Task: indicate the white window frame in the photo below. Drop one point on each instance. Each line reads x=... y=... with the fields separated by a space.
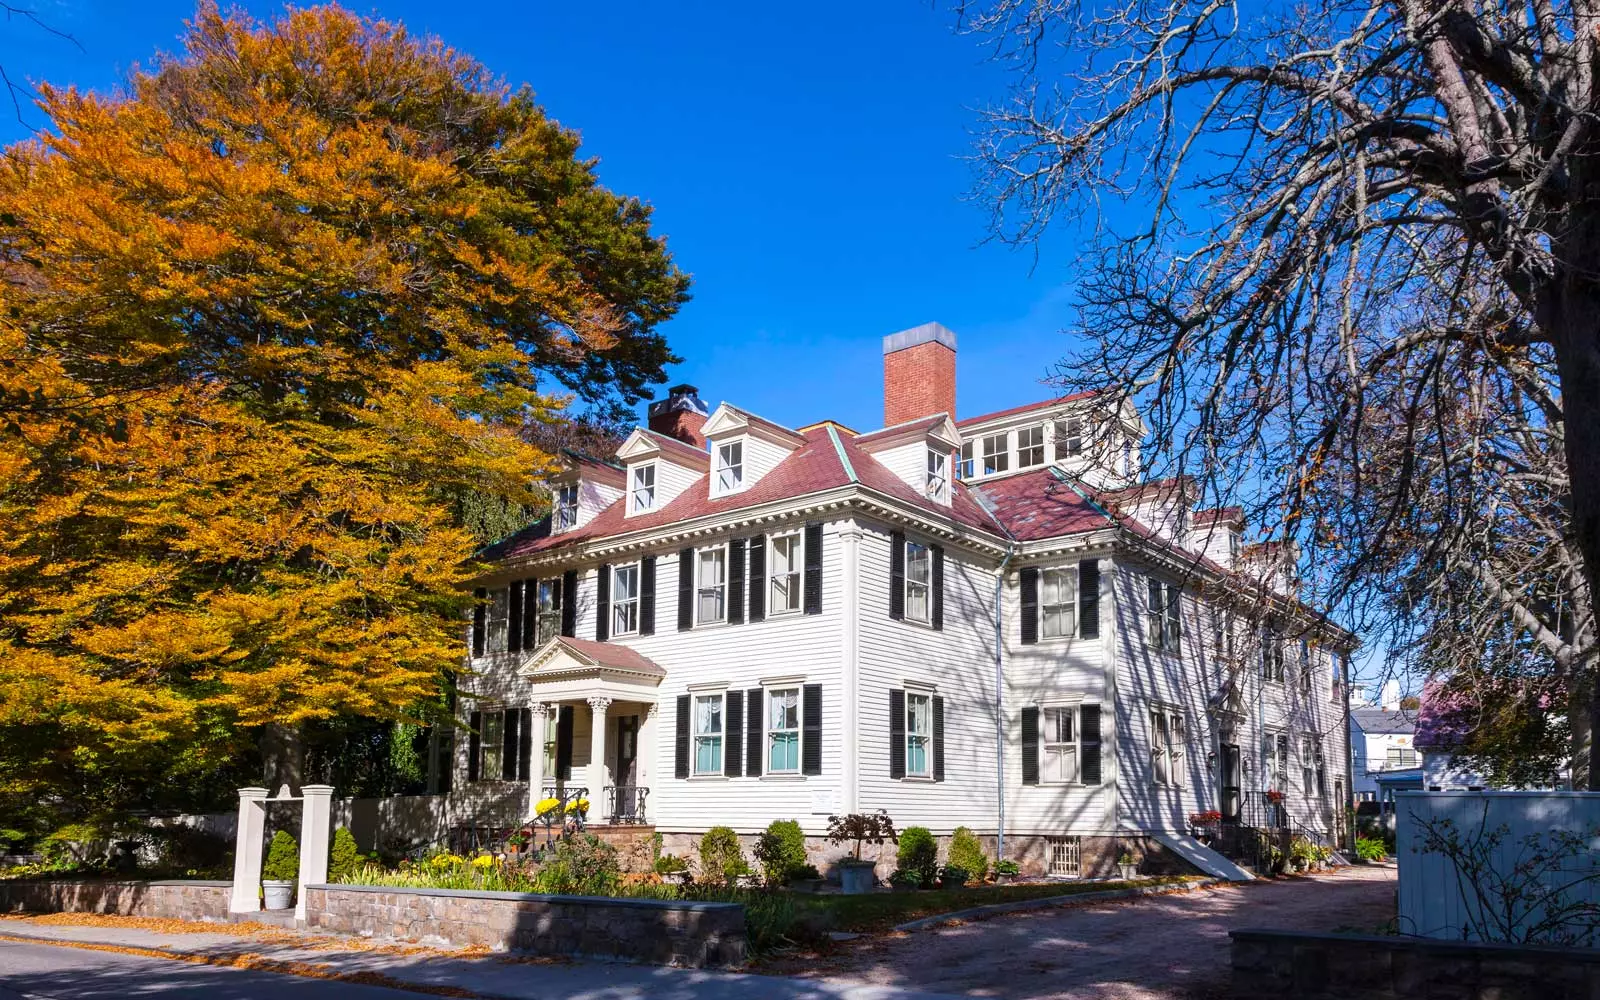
x=1069 y=437
x=996 y=453
x=1271 y=656
x=913 y=736
x=1052 y=746
x=711 y=555
x=624 y=611
x=1307 y=768
x=1169 y=738
x=773 y=731
x=964 y=466
x=497 y=620
x=1065 y=605
x=1305 y=667
x=566 y=508
x=1030 y=442
x=923 y=586
x=548 y=613
x=1163 y=615
x=791 y=580
x=1277 y=759
x=938 y=480
x=491 y=753
x=730 y=467
x=638 y=490
x=706 y=737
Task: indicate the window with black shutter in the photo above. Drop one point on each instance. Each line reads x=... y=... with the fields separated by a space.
x=685 y=590
x=525 y=744
x=647 y=595
x=753 y=699
x=733 y=735
x=897 y=734
x=569 y=603
x=938 y=586
x=480 y=619
x=564 y=721
x=736 y=580
x=514 y=629
x=897 y=575
x=1030 y=745
x=1089 y=599
x=813 y=556
x=602 y=603
x=1089 y=742
x=680 y=756
x=1030 y=605
x=530 y=615
x=811 y=729
x=511 y=742
x=758 y=578
x=938 y=738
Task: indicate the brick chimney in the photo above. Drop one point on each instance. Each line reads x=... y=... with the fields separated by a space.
x=919 y=374
x=680 y=415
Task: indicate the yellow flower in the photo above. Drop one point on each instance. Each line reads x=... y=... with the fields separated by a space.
x=578 y=806
x=483 y=861
x=547 y=806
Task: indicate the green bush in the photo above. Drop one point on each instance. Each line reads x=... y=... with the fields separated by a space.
x=581 y=865
x=919 y=853
x=781 y=850
x=967 y=854
x=343 y=856
x=1007 y=867
x=721 y=857
x=283 y=859
x=907 y=877
x=670 y=864
x=955 y=874
x=1370 y=849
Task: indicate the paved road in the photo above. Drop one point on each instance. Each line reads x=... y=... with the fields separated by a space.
x=1158 y=948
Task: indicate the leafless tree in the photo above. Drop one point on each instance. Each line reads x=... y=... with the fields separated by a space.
x=1362 y=284
x=28 y=18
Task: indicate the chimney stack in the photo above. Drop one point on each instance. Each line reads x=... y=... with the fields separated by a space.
x=680 y=415
x=919 y=374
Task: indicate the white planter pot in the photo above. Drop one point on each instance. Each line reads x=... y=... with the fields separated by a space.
x=856 y=877
x=277 y=895
x=1128 y=871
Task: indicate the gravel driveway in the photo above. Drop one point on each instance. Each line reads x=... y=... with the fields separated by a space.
x=1164 y=947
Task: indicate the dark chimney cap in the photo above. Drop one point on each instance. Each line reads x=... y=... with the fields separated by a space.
x=680 y=397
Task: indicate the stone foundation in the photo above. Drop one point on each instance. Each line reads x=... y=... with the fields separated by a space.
x=207 y=901
x=659 y=932
x=636 y=848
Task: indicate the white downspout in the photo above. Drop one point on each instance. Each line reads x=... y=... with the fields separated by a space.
x=1000 y=705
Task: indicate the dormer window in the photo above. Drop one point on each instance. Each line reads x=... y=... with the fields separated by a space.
x=643 y=489
x=1233 y=548
x=730 y=466
x=1069 y=437
x=566 y=512
x=995 y=457
x=938 y=486
x=1030 y=447
x=964 y=466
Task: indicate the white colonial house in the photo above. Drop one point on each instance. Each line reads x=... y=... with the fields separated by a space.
x=990 y=622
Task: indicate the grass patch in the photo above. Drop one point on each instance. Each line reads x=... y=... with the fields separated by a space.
x=880 y=911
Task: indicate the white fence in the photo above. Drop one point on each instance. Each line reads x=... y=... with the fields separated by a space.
x=1518 y=867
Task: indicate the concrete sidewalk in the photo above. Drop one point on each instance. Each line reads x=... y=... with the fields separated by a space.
x=434 y=971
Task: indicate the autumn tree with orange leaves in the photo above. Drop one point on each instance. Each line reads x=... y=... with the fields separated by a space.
x=265 y=319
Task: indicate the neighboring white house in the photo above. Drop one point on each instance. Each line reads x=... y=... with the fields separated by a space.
x=978 y=622
x=1381 y=744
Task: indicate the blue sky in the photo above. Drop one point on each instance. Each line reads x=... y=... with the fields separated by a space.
x=805 y=163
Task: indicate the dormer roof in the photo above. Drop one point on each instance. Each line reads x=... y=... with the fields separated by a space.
x=729 y=420
x=591 y=469
x=644 y=443
x=939 y=427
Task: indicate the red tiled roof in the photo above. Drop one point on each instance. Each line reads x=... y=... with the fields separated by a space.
x=610 y=654
x=1200 y=518
x=1138 y=491
x=685 y=453
x=910 y=426
x=1037 y=505
x=1024 y=409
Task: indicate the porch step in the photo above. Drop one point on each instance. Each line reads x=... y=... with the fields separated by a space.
x=1203 y=857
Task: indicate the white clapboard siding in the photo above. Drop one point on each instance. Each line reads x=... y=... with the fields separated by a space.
x=594 y=498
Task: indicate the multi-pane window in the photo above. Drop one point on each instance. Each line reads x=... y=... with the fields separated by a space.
x=1058 y=763
x=491 y=743
x=783 y=731
x=964 y=466
x=730 y=466
x=784 y=573
x=1127 y=458
x=938 y=475
x=711 y=584
x=549 y=611
x=1030 y=447
x=625 y=599
x=566 y=512
x=919 y=734
x=644 y=487
x=708 y=734
x=919 y=581
x=1402 y=757
x=1277 y=753
x=1312 y=772
x=1069 y=437
x=1163 y=616
x=1058 y=596
x=552 y=728
x=1271 y=656
x=497 y=620
x=1305 y=667
x=1168 y=742
x=995 y=456
x=1233 y=548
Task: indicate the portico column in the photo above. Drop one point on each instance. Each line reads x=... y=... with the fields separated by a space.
x=538 y=718
x=252 y=827
x=597 y=752
x=316 y=817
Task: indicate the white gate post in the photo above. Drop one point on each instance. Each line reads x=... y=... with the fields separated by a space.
x=316 y=813
x=252 y=826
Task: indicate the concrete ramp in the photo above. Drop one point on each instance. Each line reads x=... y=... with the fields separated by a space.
x=1203 y=857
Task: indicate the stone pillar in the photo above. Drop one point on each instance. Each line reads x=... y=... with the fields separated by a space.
x=597 y=753
x=538 y=718
x=316 y=817
x=247 y=851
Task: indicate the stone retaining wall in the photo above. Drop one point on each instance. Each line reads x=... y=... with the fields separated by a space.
x=1271 y=965
x=659 y=932
x=171 y=900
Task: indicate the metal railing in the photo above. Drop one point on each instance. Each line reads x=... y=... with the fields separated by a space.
x=624 y=804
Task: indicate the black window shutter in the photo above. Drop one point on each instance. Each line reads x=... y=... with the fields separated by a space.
x=1089 y=738
x=569 y=603
x=647 y=595
x=564 y=743
x=813 y=555
x=758 y=578
x=1030 y=605
x=732 y=734
x=514 y=626
x=938 y=738
x=530 y=614
x=680 y=753
x=938 y=586
x=1030 y=745
x=897 y=575
x=685 y=590
x=897 y=734
x=752 y=740
x=480 y=617
x=736 y=582
x=474 y=744
x=1089 y=599
x=602 y=603
x=811 y=729
x=525 y=746
x=511 y=741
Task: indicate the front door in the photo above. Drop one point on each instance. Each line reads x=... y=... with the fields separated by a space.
x=1231 y=781
x=627 y=748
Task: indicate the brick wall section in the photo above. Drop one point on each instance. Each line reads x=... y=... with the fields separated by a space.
x=1271 y=965
x=684 y=425
x=658 y=932
x=918 y=382
x=207 y=901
